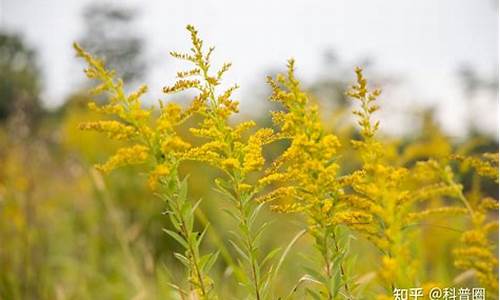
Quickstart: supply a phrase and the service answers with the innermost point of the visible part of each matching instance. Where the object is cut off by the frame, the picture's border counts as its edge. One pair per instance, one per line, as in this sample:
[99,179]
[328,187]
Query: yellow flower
[388,269]
[174,144]
[352,218]
[476,251]
[486,166]
[157,174]
[309,162]
[113,129]
[361,93]
[230,163]
[136,154]
[253,159]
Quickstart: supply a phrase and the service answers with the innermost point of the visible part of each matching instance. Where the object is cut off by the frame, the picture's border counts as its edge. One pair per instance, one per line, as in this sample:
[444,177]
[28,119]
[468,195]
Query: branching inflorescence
[382,200]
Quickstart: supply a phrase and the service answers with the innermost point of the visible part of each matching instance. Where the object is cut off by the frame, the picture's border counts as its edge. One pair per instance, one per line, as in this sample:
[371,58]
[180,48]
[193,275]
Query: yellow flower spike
[279,194]
[445,211]
[352,218]
[174,144]
[253,159]
[113,129]
[327,205]
[306,173]
[157,174]
[242,127]
[184,74]
[388,269]
[230,163]
[136,154]
[109,109]
[389,193]
[272,178]
[181,85]
[488,203]
[486,166]
[135,96]
[360,92]
[244,187]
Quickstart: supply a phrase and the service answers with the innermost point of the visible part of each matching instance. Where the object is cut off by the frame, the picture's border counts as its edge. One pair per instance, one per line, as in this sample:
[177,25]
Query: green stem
[342,270]
[217,240]
[194,257]
[235,178]
[250,246]
[328,264]
[449,180]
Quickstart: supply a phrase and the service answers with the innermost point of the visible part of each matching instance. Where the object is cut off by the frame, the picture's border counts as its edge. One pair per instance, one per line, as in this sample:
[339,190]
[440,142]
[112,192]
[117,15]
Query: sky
[421,42]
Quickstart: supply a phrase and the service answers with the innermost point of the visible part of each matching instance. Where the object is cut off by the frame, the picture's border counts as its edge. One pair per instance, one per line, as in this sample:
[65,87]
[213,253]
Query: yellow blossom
[113,129]
[388,269]
[136,154]
[157,174]
[486,166]
[230,163]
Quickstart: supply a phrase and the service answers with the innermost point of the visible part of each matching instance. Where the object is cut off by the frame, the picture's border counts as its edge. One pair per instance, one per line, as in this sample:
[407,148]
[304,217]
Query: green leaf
[186,213]
[315,275]
[254,214]
[200,237]
[174,220]
[287,250]
[334,284]
[177,237]
[305,278]
[260,231]
[313,294]
[238,249]
[211,261]
[183,189]
[184,260]
[223,187]
[269,256]
[231,214]
[195,206]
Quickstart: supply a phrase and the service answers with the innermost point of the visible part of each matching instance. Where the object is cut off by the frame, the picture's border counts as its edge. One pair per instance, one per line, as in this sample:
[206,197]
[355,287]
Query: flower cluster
[227,147]
[384,195]
[156,143]
[390,197]
[305,177]
[306,172]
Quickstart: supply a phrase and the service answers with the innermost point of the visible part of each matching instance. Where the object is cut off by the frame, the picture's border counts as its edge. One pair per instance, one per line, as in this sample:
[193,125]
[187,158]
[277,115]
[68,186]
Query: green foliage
[19,79]
[297,211]
[182,215]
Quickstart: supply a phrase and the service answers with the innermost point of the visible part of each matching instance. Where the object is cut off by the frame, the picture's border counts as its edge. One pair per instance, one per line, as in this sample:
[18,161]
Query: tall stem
[326,239]
[187,236]
[250,246]
[342,270]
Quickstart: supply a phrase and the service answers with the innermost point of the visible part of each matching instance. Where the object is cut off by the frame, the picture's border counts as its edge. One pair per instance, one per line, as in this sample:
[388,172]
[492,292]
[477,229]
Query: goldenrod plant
[159,146]
[476,250]
[379,196]
[306,179]
[378,213]
[227,149]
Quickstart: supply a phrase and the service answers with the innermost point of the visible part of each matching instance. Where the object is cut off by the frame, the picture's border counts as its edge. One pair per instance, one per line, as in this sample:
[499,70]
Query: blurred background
[67,233]
[429,54]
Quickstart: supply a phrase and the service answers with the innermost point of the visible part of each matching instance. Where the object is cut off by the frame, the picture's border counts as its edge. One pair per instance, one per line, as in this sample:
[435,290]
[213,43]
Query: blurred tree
[336,75]
[473,81]
[476,84]
[19,80]
[331,84]
[109,35]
